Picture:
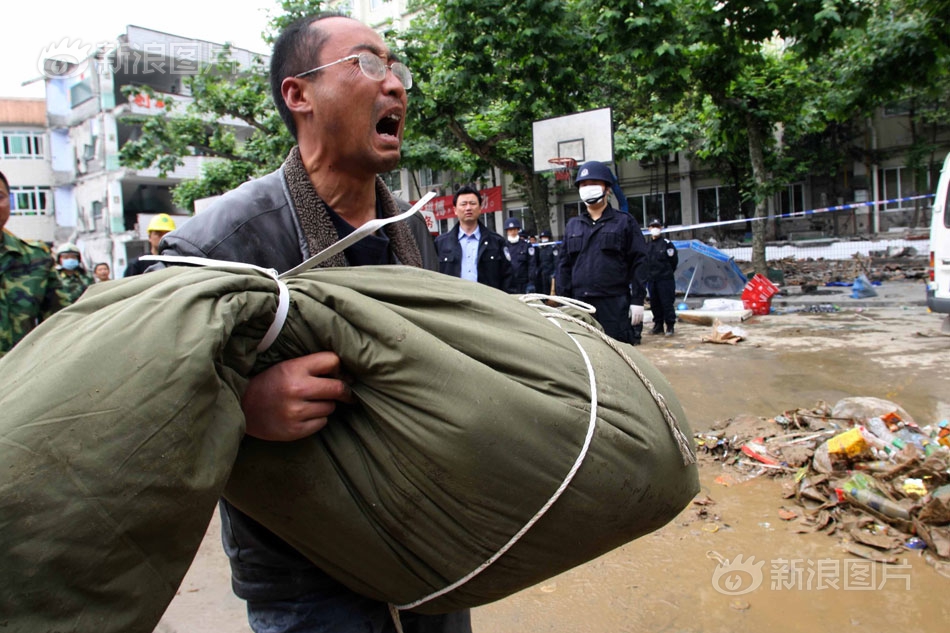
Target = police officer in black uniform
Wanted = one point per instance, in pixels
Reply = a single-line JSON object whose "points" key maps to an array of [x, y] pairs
{"points": [[659, 268], [601, 255], [524, 259], [547, 262]]}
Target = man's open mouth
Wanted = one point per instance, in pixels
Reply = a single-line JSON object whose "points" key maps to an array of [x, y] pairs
{"points": [[389, 125]]}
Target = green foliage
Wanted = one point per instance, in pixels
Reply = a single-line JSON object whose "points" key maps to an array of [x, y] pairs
{"points": [[770, 83]]}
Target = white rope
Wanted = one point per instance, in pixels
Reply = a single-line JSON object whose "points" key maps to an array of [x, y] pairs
{"points": [[591, 425], [283, 293], [683, 443], [370, 227]]}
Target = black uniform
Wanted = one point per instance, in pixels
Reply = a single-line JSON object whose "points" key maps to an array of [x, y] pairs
{"points": [[547, 264], [524, 266], [494, 260], [599, 264], [658, 271]]}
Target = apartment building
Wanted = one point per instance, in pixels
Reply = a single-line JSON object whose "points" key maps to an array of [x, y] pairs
{"points": [[92, 110], [25, 161]]}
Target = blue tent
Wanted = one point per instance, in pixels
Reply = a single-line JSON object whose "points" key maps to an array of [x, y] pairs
{"points": [[705, 270]]}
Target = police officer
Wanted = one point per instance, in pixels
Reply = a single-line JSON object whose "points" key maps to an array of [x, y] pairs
{"points": [[547, 262], [524, 259], [469, 250], [659, 268], [601, 255]]}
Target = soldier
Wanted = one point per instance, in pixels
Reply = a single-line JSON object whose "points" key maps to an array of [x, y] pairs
{"points": [[73, 276], [524, 259], [30, 291]]}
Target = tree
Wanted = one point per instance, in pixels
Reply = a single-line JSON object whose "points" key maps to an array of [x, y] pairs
{"points": [[485, 70]]}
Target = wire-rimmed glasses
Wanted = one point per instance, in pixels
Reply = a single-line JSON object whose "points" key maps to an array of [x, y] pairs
{"points": [[372, 66]]}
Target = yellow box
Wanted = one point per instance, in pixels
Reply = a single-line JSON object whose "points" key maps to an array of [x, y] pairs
{"points": [[849, 444]]}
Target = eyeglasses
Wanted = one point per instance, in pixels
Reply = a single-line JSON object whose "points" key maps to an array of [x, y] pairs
{"points": [[373, 67]]}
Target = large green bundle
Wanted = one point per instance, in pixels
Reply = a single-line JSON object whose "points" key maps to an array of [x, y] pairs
{"points": [[121, 426]]}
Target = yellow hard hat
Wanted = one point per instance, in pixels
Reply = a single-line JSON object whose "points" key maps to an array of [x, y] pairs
{"points": [[161, 222]]}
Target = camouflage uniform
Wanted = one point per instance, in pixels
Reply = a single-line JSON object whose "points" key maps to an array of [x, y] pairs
{"points": [[30, 290], [74, 283]]}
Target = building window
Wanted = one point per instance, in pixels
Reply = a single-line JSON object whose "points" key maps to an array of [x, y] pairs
{"points": [[792, 199], [427, 178], [23, 144], [31, 201], [895, 182], [720, 204], [667, 208], [393, 180], [80, 93], [524, 215]]}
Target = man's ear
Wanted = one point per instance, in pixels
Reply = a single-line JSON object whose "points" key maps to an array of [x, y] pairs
{"points": [[295, 95]]}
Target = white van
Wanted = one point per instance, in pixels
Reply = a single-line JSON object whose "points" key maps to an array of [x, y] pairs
{"points": [[938, 284]]}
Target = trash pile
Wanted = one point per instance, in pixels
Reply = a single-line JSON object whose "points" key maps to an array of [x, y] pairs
{"points": [[862, 469], [880, 266]]}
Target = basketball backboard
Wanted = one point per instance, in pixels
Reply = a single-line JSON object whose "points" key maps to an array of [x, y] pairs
{"points": [[582, 136]]}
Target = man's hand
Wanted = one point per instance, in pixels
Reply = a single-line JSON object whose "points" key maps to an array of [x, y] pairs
{"points": [[293, 399], [636, 315]]}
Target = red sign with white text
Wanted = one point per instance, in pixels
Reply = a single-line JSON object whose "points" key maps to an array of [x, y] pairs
{"points": [[443, 209]]}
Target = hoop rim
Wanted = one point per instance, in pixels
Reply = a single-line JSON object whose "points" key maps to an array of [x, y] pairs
{"points": [[563, 162]]}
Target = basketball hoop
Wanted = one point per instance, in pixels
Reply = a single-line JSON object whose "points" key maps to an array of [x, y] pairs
{"points": [[562, 167]]}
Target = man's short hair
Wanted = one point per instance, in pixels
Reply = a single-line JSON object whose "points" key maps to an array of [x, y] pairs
{"points": [[295, 51], [5, 181], [467, 189]]}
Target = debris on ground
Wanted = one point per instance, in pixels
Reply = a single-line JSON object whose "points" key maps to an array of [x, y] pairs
{"points": [[812, 273], [862, 469], [726, 333]]}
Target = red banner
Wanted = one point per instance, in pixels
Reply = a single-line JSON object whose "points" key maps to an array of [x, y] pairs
{"points": [[443, 209]]}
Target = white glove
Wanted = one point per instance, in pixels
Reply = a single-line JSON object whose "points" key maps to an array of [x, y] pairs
{"points": [[636, 315]]}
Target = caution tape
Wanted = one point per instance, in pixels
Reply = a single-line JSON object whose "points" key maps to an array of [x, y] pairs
{"points": [[796, 214]]}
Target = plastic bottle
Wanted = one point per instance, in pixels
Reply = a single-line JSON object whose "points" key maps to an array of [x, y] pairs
{"points": [[879, 428], [913, 437], [875, 501], [859, 481], [876, 466]]}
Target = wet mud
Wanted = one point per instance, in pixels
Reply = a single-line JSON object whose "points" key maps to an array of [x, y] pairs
{"points": [[676, 579], [666, 581]]}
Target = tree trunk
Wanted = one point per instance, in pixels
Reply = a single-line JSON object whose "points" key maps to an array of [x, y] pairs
{"points": [[536, 190], [760, 177]]}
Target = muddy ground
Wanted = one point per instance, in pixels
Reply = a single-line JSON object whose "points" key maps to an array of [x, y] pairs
{"points": [[667, 581]]}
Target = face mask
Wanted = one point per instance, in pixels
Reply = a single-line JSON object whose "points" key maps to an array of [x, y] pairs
{"points": [[513, 239], [70, 264], [592, 194], [655, 232]]}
